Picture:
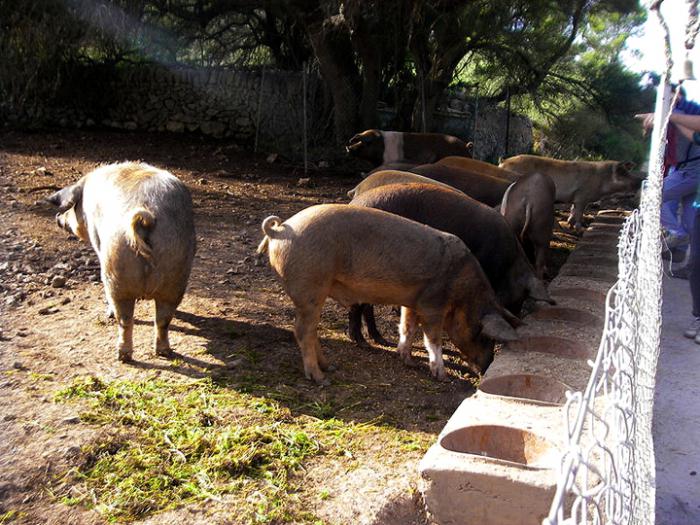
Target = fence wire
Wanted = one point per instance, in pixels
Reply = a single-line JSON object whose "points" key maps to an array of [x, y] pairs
{"points": [[608, 468]]}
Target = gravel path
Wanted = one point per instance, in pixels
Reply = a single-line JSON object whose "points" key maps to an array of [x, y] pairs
{"points": [[677, 413]]}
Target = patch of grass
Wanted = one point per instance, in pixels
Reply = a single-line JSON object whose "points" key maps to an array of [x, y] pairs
{"points": [[41, 377], [10, 516], [171, 443]]}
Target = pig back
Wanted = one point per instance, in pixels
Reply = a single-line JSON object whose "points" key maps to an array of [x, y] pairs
{"points": [[342, 242], [484, 188], [386, 177], [483, 230], [478, 166], [113, 196]]}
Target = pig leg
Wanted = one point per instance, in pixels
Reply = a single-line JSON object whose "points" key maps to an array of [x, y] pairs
{"points": [[432, 338], [124, 310], [306, 323], [576, 216], [372, 330], [407, 331], [541, 259], [164, 314], [109, 312], [355, 325]]}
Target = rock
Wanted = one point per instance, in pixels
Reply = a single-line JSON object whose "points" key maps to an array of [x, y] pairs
{"points": [[202, 182], [58, 281], [131, 125], [174, 126], [212, 127], [42, 171], [324, 164], [71, 420], [271, 158], [17, 365], [46, 310], [304, 182]]}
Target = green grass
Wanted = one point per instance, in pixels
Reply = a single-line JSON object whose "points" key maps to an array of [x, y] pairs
{"points": [[171, 443]]}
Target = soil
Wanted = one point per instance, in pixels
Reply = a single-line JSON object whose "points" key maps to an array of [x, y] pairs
{"points": [[53, 328]]}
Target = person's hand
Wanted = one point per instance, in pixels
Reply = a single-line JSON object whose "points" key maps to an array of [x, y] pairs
{"points": [[647, 121]]}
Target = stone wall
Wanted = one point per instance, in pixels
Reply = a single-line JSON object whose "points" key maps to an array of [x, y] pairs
{"points": [[229, 104], [216, 103]]}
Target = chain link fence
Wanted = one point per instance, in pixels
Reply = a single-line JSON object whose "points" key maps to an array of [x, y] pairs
{"points": [[608, 468]]}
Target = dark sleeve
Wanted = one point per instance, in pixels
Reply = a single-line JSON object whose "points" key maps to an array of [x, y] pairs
{"points": [[688, 107], [696, 137]]}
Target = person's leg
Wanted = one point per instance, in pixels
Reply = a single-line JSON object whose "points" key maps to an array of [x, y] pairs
{"points": [[695, 265], [677, 186]]}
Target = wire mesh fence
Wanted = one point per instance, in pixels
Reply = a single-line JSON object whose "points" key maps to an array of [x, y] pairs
{"points": [[608, 469]]}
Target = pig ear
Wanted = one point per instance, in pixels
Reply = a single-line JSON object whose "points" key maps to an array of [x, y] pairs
{"points": [[538, 291], [67, 197], [495, 327]]}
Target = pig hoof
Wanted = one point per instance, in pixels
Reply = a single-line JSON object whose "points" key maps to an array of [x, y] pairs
{"points": [[109, 313], [164, 352], [439, 374], [125, 357]]}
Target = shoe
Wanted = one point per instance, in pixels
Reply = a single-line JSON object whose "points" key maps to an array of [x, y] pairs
{"points": [[674, 240], [681, 273], [693, 332], [675, 255]]}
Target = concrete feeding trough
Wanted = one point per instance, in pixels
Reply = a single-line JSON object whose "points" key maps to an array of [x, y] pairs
{"points": [[593, 259], [490, 475], [503, 444], [550, 345], [609, 219], [579, 293], [563, 314], [592, 272], [526, 388]]}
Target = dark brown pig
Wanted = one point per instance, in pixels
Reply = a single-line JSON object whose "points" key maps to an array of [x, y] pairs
{"points": [[578, 182], [383, 178], [393, 166], [360, 255], [139, 221], [391, 147], [485, 232], [528, 206], [478, 166], [484, 188]]}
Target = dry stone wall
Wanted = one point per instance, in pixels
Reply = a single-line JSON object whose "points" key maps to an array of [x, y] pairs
{"points": [[240, 104]]}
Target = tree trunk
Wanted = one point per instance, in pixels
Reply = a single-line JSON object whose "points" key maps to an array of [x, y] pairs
{"points": [[331, 43]]}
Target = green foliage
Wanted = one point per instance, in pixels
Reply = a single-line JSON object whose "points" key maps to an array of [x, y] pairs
{"points": [[174, 443]]}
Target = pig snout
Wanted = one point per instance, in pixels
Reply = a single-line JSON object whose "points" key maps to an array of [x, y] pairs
{"points": [[484, 356]]}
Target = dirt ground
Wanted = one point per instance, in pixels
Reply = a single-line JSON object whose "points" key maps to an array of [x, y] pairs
{"points": [[234, 323]]}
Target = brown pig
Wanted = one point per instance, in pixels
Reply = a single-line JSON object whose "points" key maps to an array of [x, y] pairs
{"points": [[528, 206], [139, 221], [578, 182], [478, 166], [360, 255]]}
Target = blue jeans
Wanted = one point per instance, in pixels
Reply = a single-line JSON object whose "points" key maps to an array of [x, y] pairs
{"points": [[694, 264], [679, 189]]}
